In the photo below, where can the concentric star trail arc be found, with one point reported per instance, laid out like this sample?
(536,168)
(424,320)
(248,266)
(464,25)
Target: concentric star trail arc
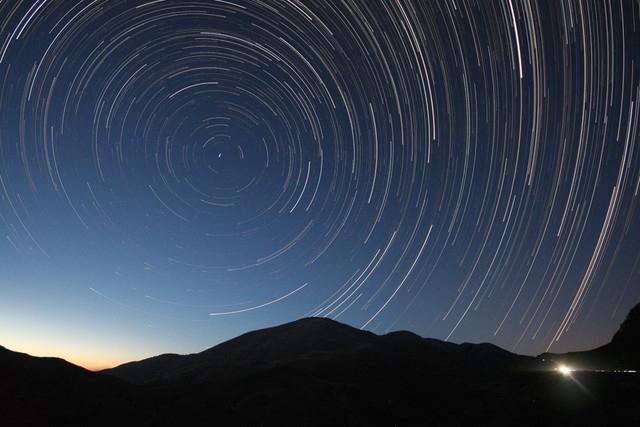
(468,170)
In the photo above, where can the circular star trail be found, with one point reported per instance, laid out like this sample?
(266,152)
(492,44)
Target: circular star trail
(467,170)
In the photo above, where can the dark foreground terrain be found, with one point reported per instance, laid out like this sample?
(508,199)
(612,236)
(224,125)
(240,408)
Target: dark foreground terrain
(319,372)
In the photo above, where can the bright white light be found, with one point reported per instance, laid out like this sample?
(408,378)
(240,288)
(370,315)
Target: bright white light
(565,370)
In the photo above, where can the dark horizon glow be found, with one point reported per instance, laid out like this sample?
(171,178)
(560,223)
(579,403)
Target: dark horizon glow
(175,173)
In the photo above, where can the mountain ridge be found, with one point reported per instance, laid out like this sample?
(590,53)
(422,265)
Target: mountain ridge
(621,353)
(311,336)
(315,371)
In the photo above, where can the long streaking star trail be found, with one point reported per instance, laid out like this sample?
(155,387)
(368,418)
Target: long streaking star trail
(467,170)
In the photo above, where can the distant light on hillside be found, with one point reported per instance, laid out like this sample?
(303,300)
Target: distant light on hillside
(565,370)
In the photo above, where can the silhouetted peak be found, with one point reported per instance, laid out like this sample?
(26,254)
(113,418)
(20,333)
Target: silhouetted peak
(403,335)
(300,336)
(153,367)
(623,352)
(628,334)
(317,323)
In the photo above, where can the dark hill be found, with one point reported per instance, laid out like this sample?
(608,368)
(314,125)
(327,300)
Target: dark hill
(51,391)
(622,353)
(143,370)
(317,371)
(312,339)
(627,338)
(320,372)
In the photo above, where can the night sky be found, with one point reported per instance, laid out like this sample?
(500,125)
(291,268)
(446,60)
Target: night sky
(175,173)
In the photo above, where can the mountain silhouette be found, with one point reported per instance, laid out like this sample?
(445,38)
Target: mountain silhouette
(310,340)
(627,339)
(50,391)
(622,353)
(316,371)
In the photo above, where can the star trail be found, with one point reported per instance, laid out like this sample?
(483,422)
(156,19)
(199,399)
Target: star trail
(179,172)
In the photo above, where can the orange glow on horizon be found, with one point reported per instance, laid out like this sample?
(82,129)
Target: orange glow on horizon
(86,360)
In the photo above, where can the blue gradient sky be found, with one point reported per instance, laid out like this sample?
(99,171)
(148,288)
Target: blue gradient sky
(173,174)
